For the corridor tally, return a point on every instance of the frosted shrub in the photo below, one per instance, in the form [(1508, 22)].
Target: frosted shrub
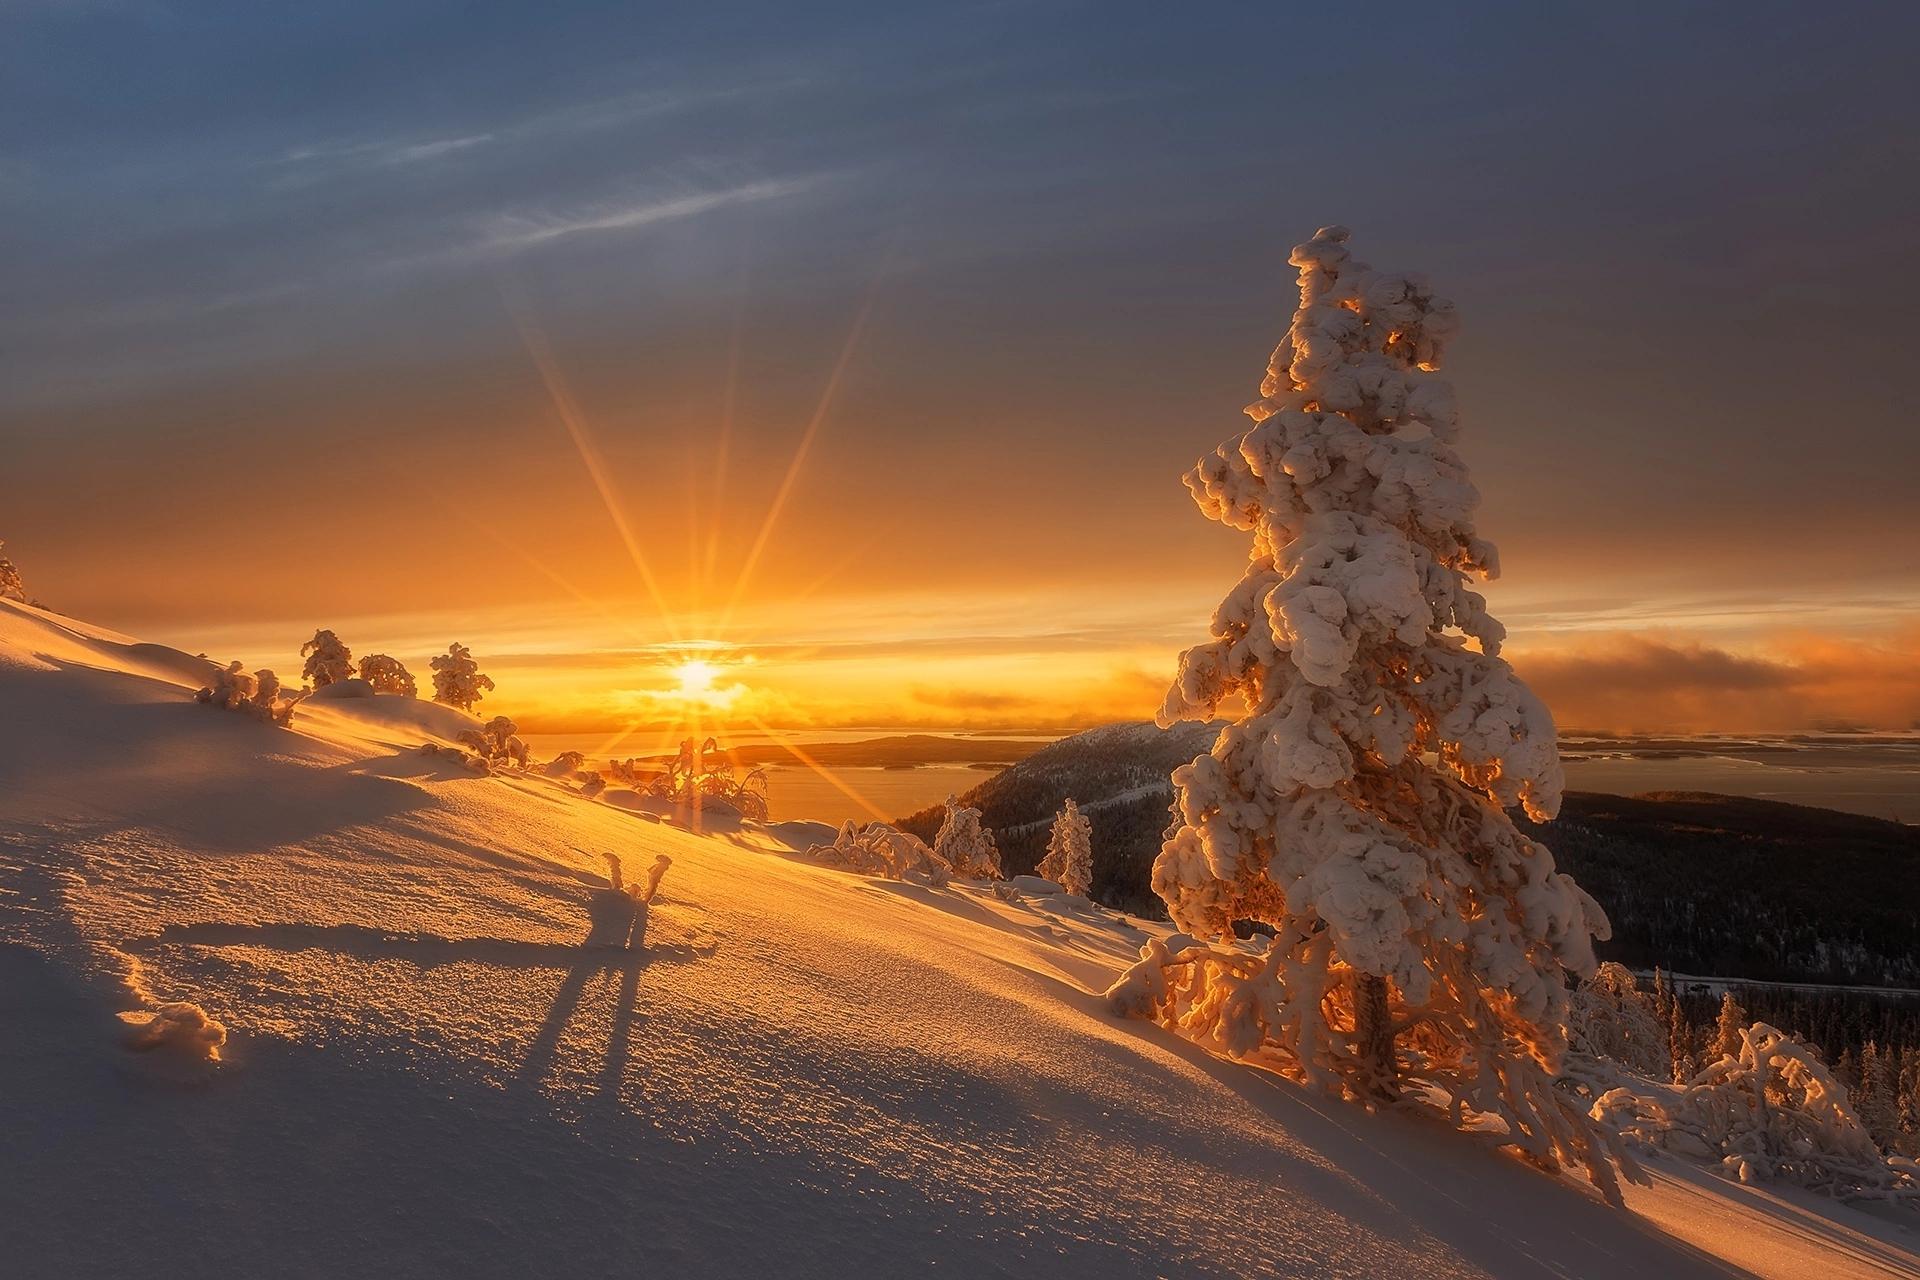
[(566, 764), (702, 774), (1770, 1111), (880, 849), (1611, 1018), (328, 661), (257, 695), (11, 588), (1069, 860), (497, 742), (457, 681), (1355, 805), (966, 846), (387, 675)]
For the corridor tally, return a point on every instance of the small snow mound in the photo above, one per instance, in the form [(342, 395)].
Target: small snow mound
[(352, 687), (178, 1025), (1037, 886)]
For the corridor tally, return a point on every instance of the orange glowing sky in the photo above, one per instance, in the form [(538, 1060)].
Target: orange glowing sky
[(862, 361)]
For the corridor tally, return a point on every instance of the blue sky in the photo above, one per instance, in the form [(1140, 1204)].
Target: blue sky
[(1681, 236)]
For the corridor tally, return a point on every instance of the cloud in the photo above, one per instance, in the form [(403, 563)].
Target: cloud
[(1788, 680), (515, 231), (386, 152)]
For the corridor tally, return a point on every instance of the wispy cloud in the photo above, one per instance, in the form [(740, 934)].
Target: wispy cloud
[(513, 231), (384, 152)]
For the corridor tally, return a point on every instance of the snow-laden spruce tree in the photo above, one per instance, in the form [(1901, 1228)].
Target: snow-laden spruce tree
[(966, 846), (1069, 860), (387, 675), (11, 588), (457, 681), (1355, 803), (328, 660)]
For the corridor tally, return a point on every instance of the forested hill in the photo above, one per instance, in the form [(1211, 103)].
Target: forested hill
[(1695, 882), (1716, 884)]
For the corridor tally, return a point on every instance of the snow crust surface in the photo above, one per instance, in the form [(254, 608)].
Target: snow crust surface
[(798, 1072)]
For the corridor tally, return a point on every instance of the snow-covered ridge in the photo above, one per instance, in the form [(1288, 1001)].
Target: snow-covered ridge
[(800, 1071)]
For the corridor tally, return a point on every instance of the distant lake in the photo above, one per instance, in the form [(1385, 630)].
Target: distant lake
[(1878, 775)]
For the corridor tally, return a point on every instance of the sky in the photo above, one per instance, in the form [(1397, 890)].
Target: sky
[(857, 349)]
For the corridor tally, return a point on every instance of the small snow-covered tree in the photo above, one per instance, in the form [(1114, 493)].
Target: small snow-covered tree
[(11, 588), (457, 681), (497, 742), (1069, 860), (1356, 803), (328, 660), (387, 675), (1727, 1032), (1612, 1018), (258, 694), (966, 846), (1680, 1043), (1878, 1100)]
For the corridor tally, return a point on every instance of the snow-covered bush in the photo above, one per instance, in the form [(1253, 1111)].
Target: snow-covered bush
[(457, 681), (701, 775), (566, 764), (387, 675), (880, 849), (257, 695), (1770, 1111), (1069, 860), (1612, 1018), (966, 846), (11, 588), (497, 743), (1356, 805), (328, 660)]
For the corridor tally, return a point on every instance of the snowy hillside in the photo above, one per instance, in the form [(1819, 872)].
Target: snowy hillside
[(801, 1071)]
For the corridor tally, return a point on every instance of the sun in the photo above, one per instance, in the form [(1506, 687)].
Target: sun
[(695, 678)]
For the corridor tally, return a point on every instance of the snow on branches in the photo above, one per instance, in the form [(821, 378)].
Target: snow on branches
[(1771, 1110), (880, 849), (11, 588), (257, 695), (328, 660), (1355, 805), (496, 743), (457, 681), (966, 846), (387, 675), (1069, 860)]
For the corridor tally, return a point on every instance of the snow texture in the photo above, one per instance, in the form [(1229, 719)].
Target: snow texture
[(798, 1072)]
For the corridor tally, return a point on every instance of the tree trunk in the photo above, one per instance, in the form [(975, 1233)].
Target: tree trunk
[(1373, 1039)]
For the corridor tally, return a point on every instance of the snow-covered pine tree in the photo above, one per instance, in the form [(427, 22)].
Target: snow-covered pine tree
[(1877, 1102), (11, 588), (1726, 1032), (1414, 925), (328, 660), (387, 675), (457, 681), (1069, 860), (966, 846), (1680, 1043)]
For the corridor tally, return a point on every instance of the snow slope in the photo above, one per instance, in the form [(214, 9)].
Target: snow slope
[(802, 1073)]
